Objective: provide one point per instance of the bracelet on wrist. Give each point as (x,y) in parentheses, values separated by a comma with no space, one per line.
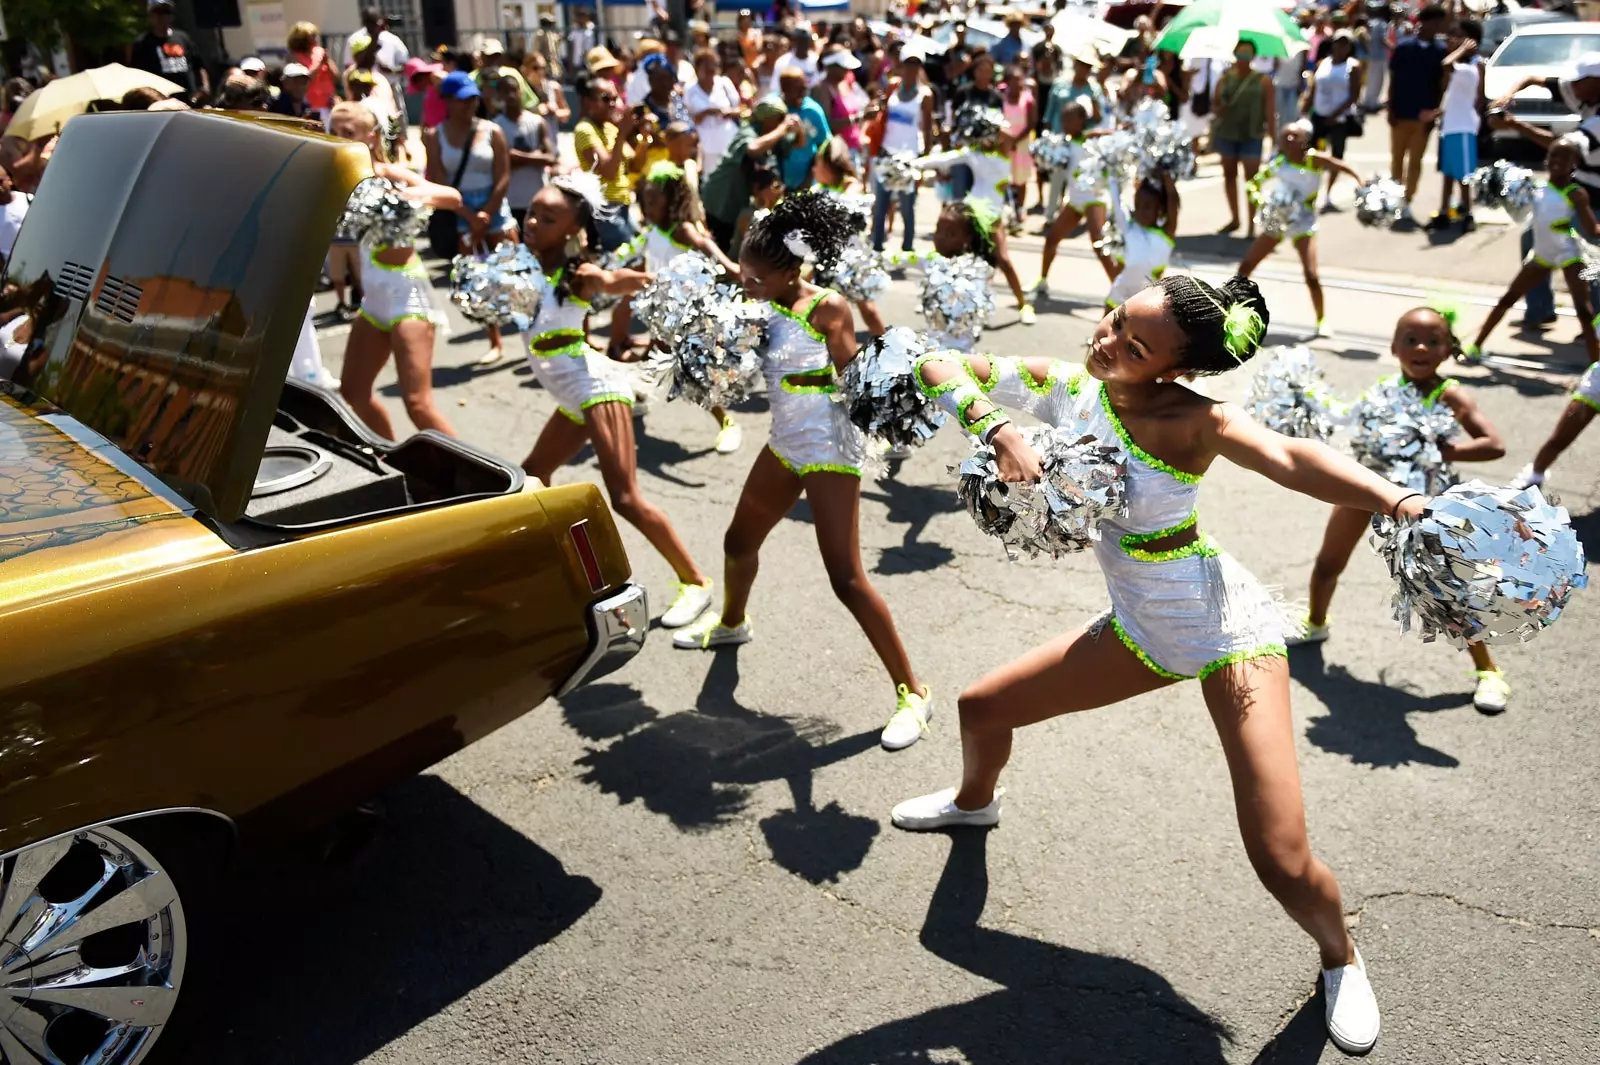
(1394,511)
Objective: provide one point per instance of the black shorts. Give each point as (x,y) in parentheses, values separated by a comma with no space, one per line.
(1334,132)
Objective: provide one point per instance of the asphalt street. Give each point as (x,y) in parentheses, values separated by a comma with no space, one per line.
(691,861)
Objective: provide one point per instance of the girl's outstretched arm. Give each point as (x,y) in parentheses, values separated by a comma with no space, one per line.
(701,242)
(1328,162)
(591,279)
(1303,466)
(1483,443)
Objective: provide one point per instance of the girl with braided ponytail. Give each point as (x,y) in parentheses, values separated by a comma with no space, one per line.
(813,447)
(595,397)
(1180,608)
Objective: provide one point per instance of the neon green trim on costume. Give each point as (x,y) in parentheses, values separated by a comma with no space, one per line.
(1202,547)
(576,349)
(572,337)
(1428,400)
(396,320)
(814,467)
(555,279)
(412,267)
(795,383)
(607,397)
(667,234)
(1132,541)
(804,320)
(1133,645)
(1586,401)
(1138,452)
(994,371)
(575,419)
(935,391)
(987,422)
(1266,650)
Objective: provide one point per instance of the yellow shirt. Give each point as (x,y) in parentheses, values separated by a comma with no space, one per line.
(585,139)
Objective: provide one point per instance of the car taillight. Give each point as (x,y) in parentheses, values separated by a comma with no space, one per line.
(586,555)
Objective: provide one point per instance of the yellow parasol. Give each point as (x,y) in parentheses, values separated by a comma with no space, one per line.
(46,110)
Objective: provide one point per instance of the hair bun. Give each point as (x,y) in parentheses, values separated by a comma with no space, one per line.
(1240,289)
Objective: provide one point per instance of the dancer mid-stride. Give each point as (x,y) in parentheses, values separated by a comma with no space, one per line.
(813,447)
(594,393)
(1180,608)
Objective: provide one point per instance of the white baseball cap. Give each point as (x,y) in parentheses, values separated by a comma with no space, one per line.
(1589,65)
(491,46)
(295,70)
(841,58)
(251,64)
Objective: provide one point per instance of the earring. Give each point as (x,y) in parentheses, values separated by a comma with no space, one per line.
(1161,380)
(573,247)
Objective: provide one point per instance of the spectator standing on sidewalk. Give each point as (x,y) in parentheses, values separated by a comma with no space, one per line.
(1379,23)
(1416,72)
(169,53)
(392,52)
(1461,116)
(726,192)
(528,143)
(796,156)
(322,85)
(714,107)
(581,40)
(1581,93)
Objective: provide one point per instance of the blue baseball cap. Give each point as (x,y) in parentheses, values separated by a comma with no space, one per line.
(458,85)
(653,60)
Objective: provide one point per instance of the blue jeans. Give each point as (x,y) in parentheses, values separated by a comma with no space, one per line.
(906,201)
(960,180)
(617,230)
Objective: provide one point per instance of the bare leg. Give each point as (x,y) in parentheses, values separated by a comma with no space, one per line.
(365,352)
(1580,305)
(1521,285)
(769,491)
(1003,254)
(1230,186)
(413,362)
(621,320)
(1481,658)
(1345,528)
(1249,704)
(1070,673)
(559,443)
(1257,252)
(611,431)
(1250,166)
(1307,249)
(835,500)
(1574,420)
(1066,221)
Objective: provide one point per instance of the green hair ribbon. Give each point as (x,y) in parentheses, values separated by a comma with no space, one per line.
(1242,330)
(1445,308)
(663,172)
(984,218)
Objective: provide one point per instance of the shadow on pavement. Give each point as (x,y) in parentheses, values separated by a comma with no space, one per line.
(1367,720)
(1303,1040)
(1587,526)
(332,963)
(1055,1004)
(699,768)
(911,505)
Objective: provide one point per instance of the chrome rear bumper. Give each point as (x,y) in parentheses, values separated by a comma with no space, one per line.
(617,625)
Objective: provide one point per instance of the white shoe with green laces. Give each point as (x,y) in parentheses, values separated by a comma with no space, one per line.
(690,602)
(909,722)
(1305,632)
(729,437)
(710,632)
(1493,693)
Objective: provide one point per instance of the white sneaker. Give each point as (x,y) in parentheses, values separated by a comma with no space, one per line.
(939,810)
(1041,290)
(1352,1007)
(1027,314)
(492,358)
(322,379)
(729,437)
(1527,477)
(710,632)
(1305,632)
(1493,693)
(1406,215)
(690,602)
(909,722)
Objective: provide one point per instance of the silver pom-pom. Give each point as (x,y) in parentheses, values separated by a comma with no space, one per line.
(880,393)
(672,305)
(858,274)
(1380,202)
(1280,210)
(1289,395)
(1505,185)
(706,335)
(1112,242)
(1397,436)
(1053,150)
(377,213)
(976,125)
(497,288)
(1113,156)
(1084,481)
(1483,564)
(626,256)
(956,297)
(898,171)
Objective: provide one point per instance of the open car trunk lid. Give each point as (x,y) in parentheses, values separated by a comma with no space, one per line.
(168,259)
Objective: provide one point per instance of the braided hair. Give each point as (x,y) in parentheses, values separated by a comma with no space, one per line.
(670,179)
(1224,326)
(981,220)
(814,222)
(588,247)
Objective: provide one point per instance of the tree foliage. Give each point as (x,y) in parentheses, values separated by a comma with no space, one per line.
(92,26)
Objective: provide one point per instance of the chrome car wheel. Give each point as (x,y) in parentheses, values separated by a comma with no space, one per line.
(92,949)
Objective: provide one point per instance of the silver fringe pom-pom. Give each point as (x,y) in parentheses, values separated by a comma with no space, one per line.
(706,334)
(499,287)
(1115,155)
(672,304)
(1053,150)
(1483,564)
(377,213)
(1084,481)
(1396,436)
(880,393)
(1280,210)
(858,274)
(898,171)
(955,296)
(1505,185)
(1289,395)
(628,256)
(976,125)
(1380,202)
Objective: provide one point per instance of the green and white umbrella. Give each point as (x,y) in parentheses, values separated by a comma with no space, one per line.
(1261,22)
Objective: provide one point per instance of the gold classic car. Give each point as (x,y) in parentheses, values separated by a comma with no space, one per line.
(227,610)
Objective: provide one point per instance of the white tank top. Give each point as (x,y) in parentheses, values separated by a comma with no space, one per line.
(1304,180)
(479,174)
(902,132)
(564,319)
(1332,88)
(660,249)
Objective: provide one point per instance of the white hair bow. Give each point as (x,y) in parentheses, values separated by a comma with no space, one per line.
(586,186)
(795,241)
